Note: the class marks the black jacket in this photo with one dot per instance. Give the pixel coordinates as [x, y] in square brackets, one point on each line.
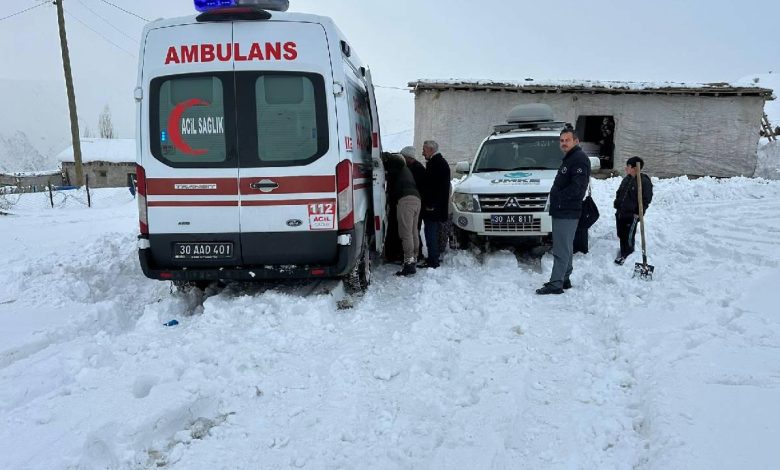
[400, 182]
[626, 201]
[418, 171]
[436, 190]
[570, 185]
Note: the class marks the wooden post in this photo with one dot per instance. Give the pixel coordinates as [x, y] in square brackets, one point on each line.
[51, 196]
[89, 198]
[74, 123]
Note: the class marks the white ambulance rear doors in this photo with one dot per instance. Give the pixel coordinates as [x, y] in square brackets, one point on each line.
[188, 151]
[287, 143]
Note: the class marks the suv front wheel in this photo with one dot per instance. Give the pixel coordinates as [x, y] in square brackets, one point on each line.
[461, 238]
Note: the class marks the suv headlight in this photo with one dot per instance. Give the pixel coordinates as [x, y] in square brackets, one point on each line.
[465, 202]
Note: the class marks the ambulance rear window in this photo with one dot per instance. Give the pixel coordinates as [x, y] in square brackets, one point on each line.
[291, 120]
[188, 121]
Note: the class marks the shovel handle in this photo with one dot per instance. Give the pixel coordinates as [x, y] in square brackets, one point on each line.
[641, 211]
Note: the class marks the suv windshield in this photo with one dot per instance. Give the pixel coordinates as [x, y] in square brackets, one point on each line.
[522, 153]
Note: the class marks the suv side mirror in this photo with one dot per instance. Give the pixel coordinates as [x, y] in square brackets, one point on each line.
[463, 168]
[595, 163]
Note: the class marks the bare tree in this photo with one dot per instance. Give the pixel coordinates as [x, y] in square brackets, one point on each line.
[105, 126]
[87, 133]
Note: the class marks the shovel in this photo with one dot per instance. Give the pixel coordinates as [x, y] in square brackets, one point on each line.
[643, 270]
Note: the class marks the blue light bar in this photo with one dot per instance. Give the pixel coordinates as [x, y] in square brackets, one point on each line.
[274, 5]
[206, 5]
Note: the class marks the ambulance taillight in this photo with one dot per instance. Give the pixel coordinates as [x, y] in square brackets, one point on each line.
[345, 197]
[143, 215]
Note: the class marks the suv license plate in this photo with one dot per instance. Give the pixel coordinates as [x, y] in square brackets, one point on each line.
[203, 250]
[511, 219]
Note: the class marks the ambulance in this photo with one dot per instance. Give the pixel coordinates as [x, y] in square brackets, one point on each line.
[258, 148]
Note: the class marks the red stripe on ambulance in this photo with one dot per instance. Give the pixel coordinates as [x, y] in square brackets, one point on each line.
[292, 184]
[288, 202]
[191, 187]
[193, 203]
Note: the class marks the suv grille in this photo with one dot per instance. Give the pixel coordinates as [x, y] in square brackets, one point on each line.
[513, 202]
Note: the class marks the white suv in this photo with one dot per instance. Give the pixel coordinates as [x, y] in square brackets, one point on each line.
[505, 193]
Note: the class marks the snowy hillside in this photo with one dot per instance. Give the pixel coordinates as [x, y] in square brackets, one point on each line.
[459, 368]
[38, 126]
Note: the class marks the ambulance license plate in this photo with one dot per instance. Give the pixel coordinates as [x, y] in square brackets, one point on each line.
[511, 219]
[210, 250]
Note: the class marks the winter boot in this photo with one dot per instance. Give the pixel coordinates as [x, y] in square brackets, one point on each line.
[549, 289]
[409, 269]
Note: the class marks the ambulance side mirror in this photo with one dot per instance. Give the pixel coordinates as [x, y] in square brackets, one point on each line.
[463, 168]
[595, 163]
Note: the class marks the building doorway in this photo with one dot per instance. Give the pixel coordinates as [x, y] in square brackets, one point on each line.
[597, 138]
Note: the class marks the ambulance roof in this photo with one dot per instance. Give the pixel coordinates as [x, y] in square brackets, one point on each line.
[275, 16]
[278, 16]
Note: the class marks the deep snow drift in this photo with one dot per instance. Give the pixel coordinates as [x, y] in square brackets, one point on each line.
[462, 367]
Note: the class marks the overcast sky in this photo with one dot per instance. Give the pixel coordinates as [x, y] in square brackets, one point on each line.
[663, 40]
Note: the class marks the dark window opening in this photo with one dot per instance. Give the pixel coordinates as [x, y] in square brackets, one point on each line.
[597, 138]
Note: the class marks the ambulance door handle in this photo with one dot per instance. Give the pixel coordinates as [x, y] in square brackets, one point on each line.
[265, 185]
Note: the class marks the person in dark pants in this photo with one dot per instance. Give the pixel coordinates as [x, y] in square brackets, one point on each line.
[403, 195]
[627, 206]
[566, 195]
[435, 199]
[418, 172]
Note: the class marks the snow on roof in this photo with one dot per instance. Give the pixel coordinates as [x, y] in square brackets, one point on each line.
[102, 150]
[30, 174]
[594, 86]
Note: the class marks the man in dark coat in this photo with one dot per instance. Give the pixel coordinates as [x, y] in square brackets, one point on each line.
[418, 172]
[566, 195]
[403, 195]
[435, 199]
[627, 206]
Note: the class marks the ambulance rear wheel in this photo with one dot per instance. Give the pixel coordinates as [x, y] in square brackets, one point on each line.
[358, 280]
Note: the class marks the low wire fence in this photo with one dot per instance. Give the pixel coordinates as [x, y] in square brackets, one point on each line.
[25, 199]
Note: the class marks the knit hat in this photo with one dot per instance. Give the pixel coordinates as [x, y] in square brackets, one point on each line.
[633, 161]
[408, 151]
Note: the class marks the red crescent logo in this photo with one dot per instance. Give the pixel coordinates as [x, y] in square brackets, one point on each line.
[174, 129]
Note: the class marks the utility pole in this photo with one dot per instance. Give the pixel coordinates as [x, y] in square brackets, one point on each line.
[74, 123]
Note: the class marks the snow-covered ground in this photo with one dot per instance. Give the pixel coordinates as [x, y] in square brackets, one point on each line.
[459, 368]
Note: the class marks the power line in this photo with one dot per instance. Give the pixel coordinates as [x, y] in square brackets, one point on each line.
[24, 11]
[108, 22]
[122, 9]
[101, 35]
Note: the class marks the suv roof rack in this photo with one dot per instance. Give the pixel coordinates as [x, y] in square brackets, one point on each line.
[529, 126]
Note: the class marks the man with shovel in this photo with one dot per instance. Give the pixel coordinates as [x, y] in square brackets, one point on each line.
[627, 206]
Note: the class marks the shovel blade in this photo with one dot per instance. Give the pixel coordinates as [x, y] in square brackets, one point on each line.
[644, 271]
